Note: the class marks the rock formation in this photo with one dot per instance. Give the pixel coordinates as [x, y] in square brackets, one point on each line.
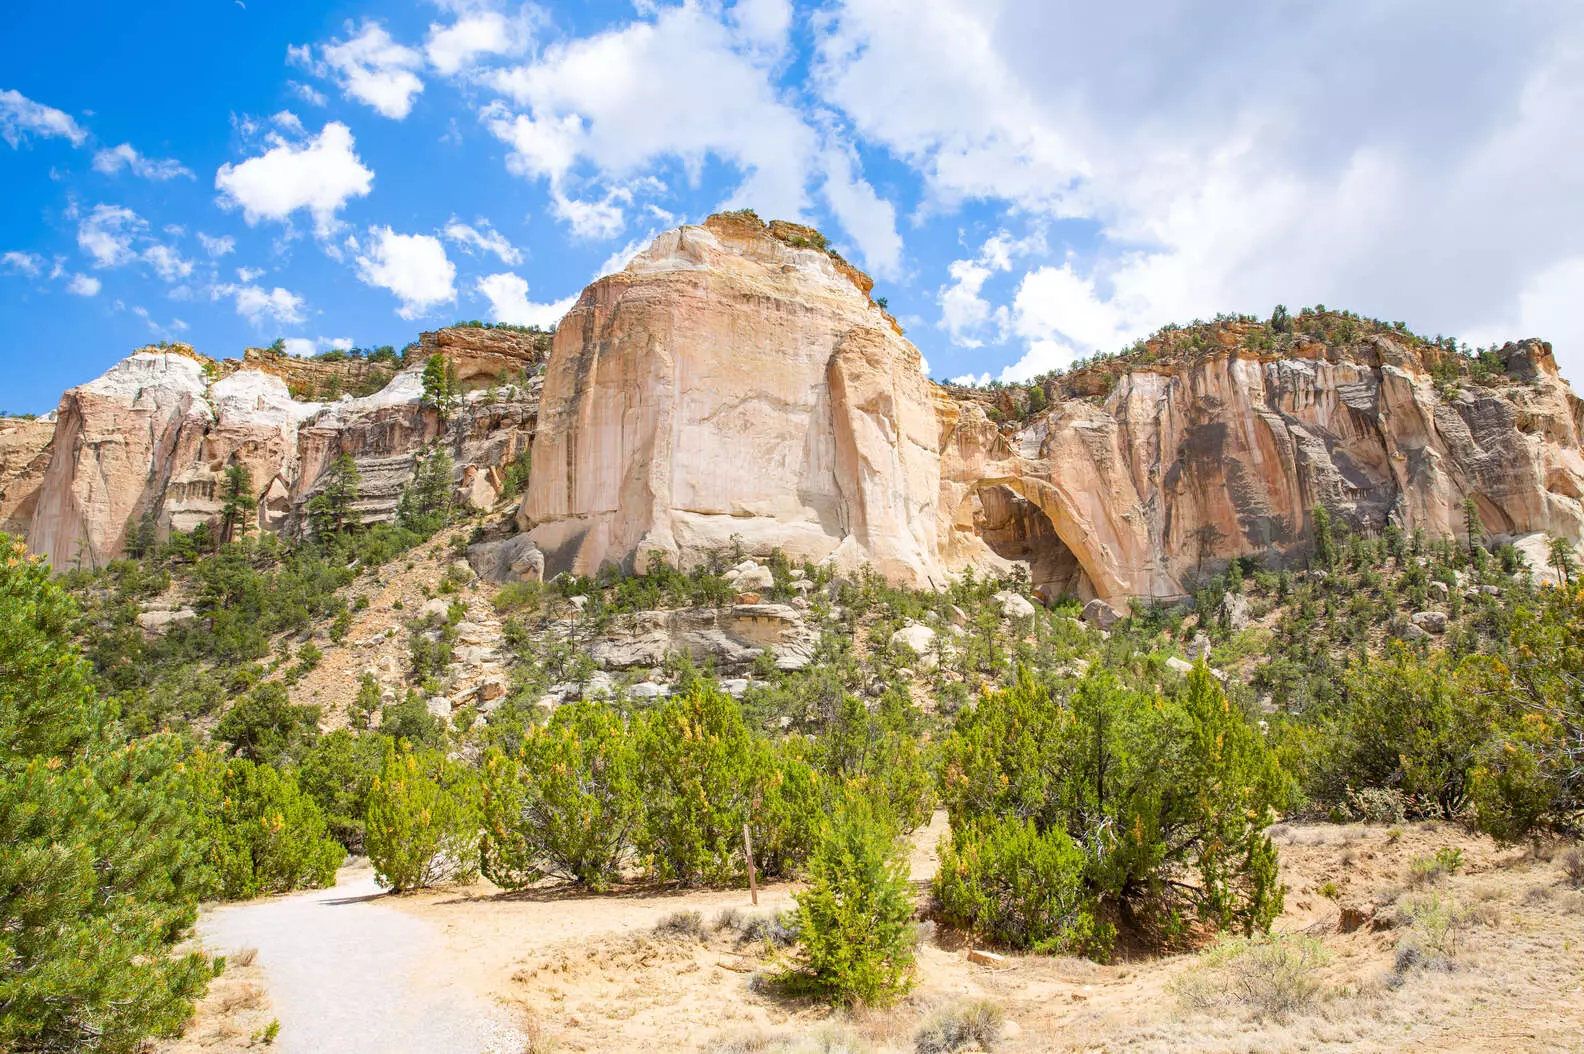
[735, 386]
[731, 387]
[154, 435]
[1223, 451]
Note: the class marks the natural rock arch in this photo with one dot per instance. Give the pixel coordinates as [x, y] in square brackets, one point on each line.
[1072, 528]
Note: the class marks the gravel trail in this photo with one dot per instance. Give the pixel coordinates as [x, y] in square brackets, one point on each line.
[350, 974]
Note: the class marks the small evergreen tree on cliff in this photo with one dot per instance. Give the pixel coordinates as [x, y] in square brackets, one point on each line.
[1324, 544]
[440, 387]
[236, 501]
[330, 511]
[1559, 555]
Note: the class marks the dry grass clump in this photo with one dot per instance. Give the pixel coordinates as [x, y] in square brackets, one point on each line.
[243, 997]
[963, 1026]
[244, 958]
[1436, 930]
[1267, 977]
[681, 925]
[1573, 867]
[830, 1038]
[774, 928]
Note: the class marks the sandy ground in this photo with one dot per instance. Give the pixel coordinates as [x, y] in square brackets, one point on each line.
[436, 971]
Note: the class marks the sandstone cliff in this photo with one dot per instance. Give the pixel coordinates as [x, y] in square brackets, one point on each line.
[24, 456]
[735, 385]
[1223, 452]
[154, 435]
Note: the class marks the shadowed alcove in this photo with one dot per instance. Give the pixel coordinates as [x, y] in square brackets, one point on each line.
[1018, 529]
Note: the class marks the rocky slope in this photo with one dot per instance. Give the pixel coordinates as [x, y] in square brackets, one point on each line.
[736, 386]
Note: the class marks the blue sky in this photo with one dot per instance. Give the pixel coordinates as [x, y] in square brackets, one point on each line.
[1029, 181]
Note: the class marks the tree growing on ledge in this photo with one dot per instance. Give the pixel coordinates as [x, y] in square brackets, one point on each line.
[440, 387]
[330, 511]
[236, 501]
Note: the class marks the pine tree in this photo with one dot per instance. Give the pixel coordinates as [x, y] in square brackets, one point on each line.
[142, 537]
[1472, 525]
[1559, 556]
[1324, 546]
[440, 385]
[427, 502]
[856, 916]
[236, 501]
[331, 510]
[100, 871]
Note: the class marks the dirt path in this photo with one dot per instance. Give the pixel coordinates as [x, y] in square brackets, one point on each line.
[348, 973]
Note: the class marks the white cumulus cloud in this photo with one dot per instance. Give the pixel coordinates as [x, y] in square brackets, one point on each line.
[257, 304]
[106, 234]
[452, 49]
[597, 220]
[114, 159]
[1414, 169]
[508, 297]
[869, 218]
[484, 238]
[83, 285]
[167, 262]
[30, 264]
[370, 67]
[684, 85]
[21, 116]
[412, 266]
[319, 175]
[217, 247]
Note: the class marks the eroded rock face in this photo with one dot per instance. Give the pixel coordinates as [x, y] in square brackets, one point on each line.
[24, 458]
[154, 436]
[730, 386]
[1184, 465]
[735, 385]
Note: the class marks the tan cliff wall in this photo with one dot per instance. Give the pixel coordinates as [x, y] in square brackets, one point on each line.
[1181, 465]
[731, 388]
[155, 434]
[736, 385]
[24, 458]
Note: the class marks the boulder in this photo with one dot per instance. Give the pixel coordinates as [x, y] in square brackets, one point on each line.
[1199, 647]
[1100, 613]
[1234, 612]
[158, 621]
[1014, 605]
[751, 578]
[1430, 621]
[918, 639]
[514, 559]
[436, 606]
[1439, 592]
[1182, 666]
[1412, 632]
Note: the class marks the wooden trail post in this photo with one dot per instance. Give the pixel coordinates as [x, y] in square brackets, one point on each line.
[753, 885]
